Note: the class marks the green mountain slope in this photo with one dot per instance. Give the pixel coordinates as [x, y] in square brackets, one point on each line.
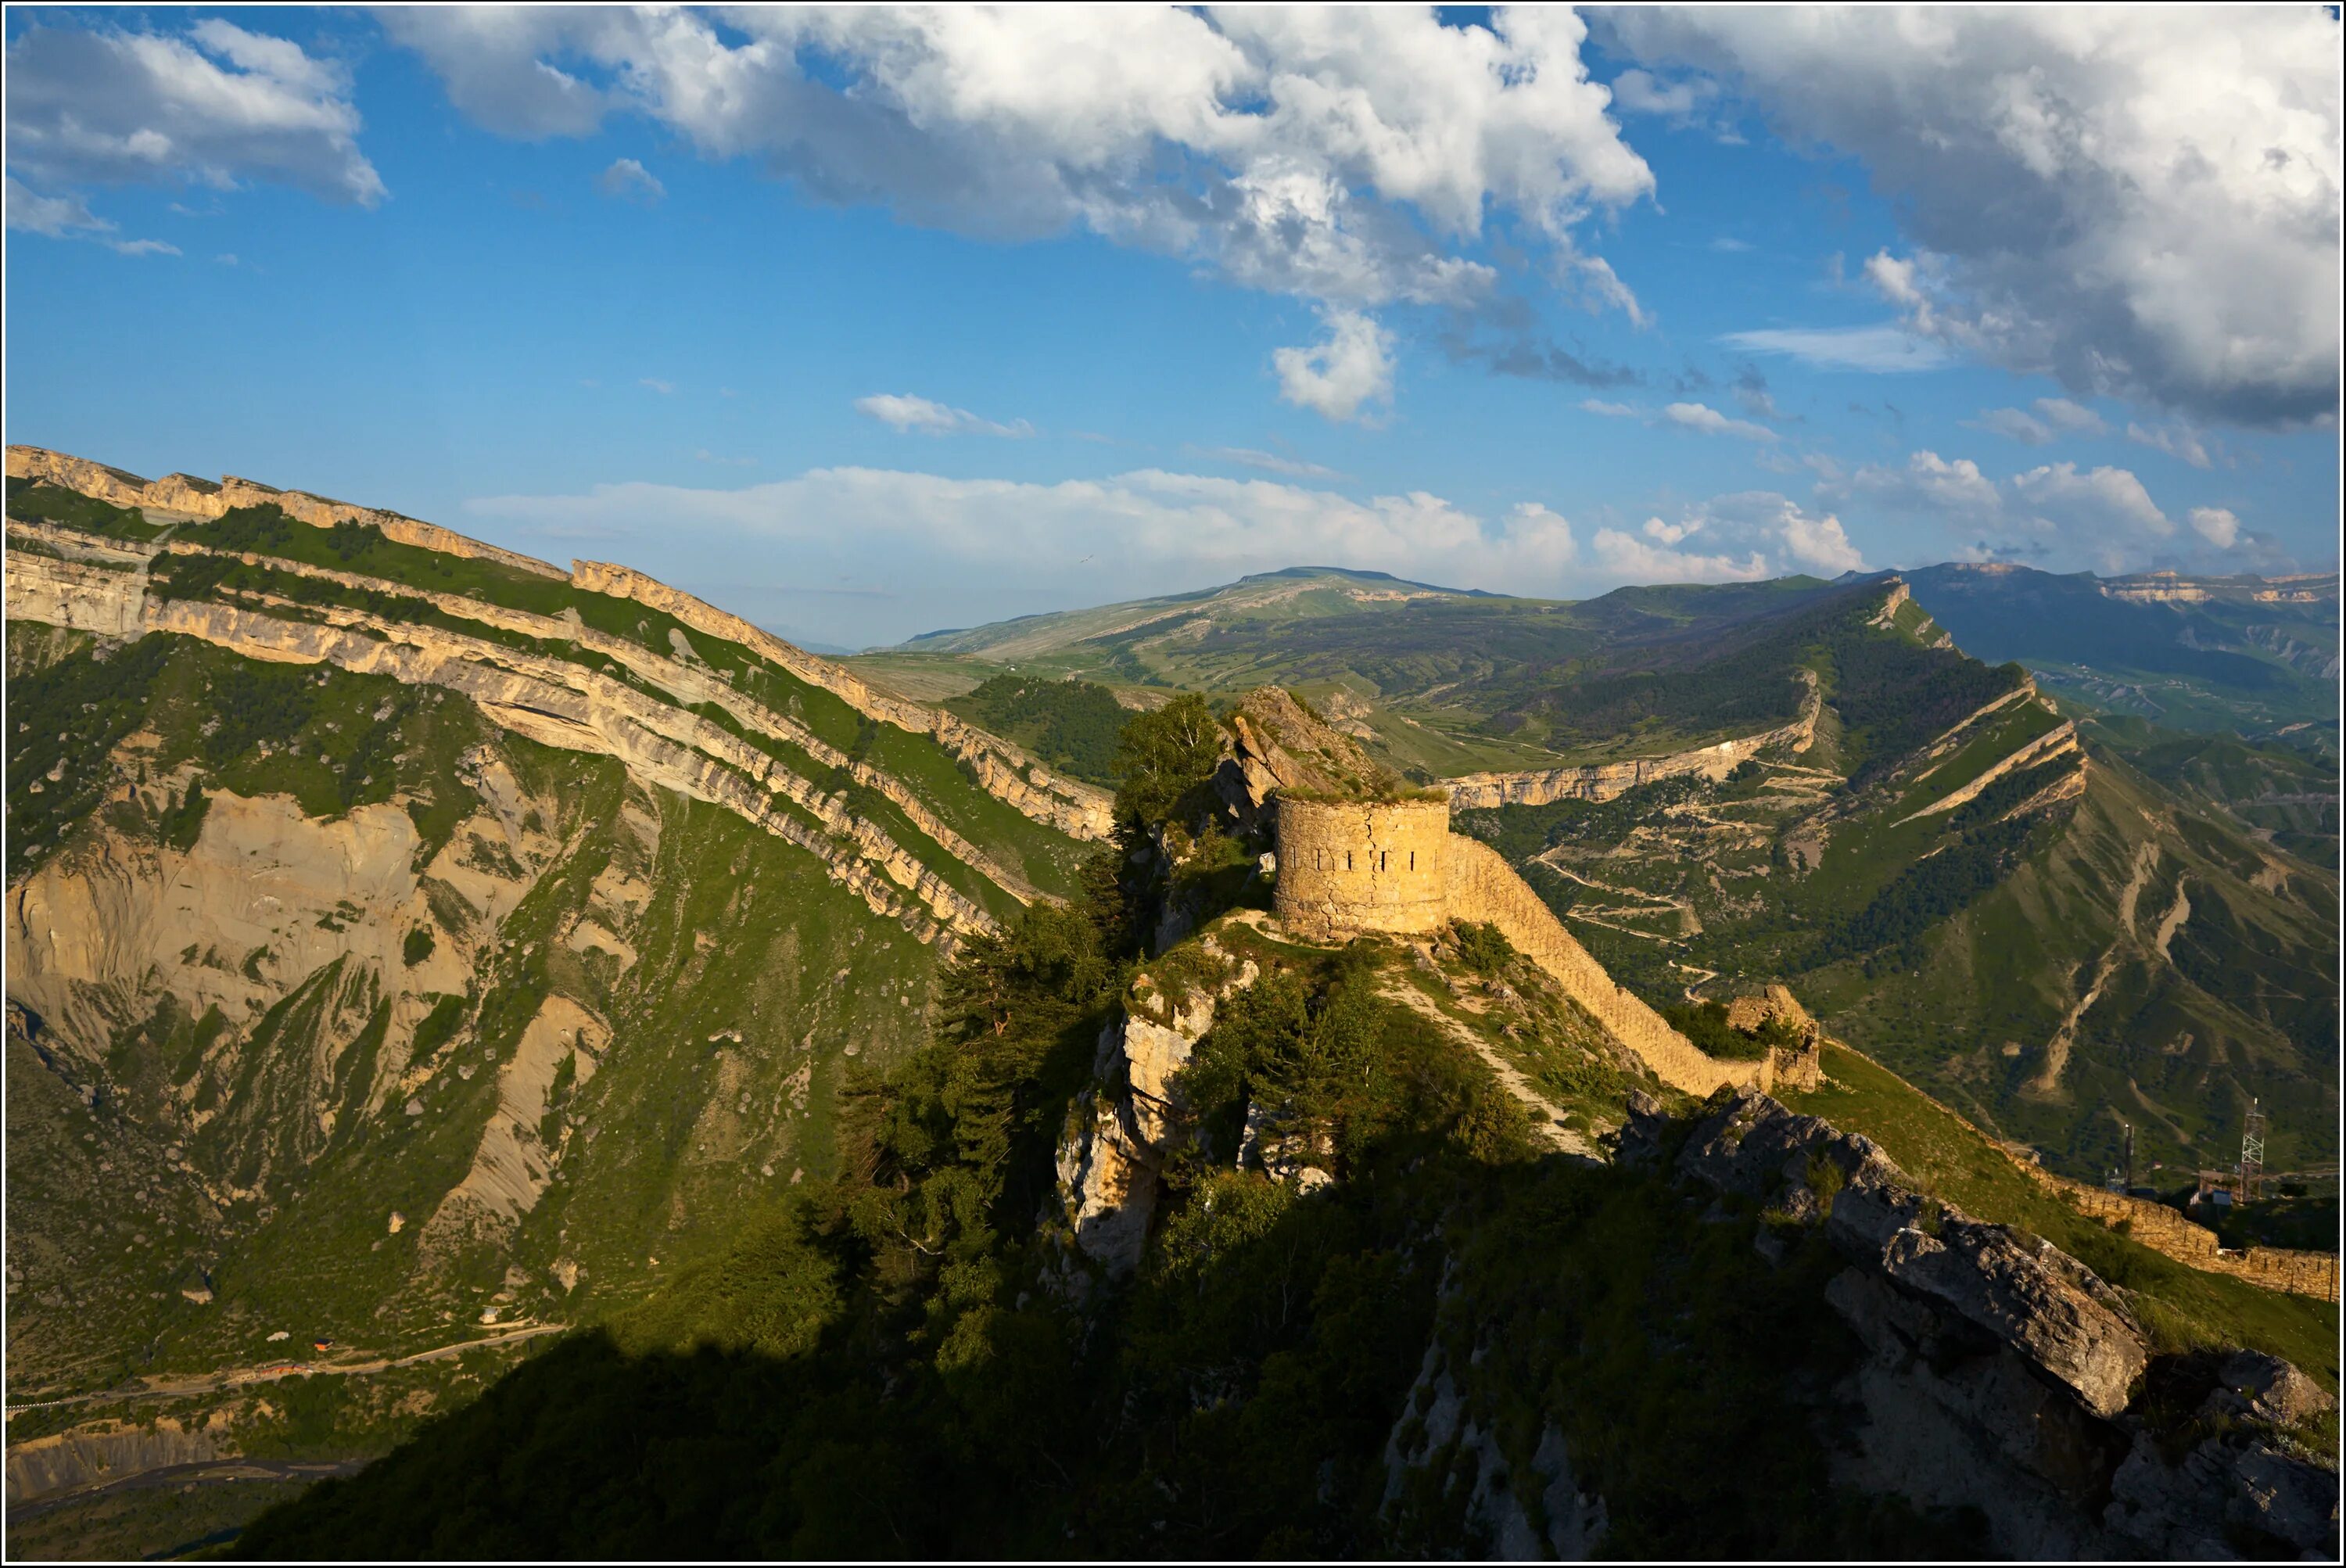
[1989, 896]
[407, 942]
[1394, 1325]
[1436, 681]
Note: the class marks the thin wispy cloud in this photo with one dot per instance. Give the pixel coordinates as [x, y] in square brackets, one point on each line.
[1885, 348]
[1268, 462]
[1702, 417]
[924, 416]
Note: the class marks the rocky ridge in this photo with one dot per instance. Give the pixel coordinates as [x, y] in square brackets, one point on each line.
[2004, 1375]
[1605, 780]
[1123, 1128]
[1000, 768]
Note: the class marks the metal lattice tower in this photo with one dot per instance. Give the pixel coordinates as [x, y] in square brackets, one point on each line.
[2252, 1151]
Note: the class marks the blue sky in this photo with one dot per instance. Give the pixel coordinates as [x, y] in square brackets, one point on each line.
[863, 325]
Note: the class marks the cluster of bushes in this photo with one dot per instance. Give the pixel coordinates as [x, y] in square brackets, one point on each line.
[1704, 1024]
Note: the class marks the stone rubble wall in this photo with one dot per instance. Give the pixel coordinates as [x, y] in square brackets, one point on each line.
[1484, 887]
[2163, 1230]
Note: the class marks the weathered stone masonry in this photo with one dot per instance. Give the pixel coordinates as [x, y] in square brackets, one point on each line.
[1347, 866]
[2162, 1230]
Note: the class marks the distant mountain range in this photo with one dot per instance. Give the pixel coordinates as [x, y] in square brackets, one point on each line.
[2252, 654]
[2159, 948]
[2256, 656]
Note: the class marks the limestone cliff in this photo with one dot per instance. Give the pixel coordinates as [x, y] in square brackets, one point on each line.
[1074, 808]
[1277, 744]
[557, 702]
[1604, 780]
[183, 495]
[1069, 805]
[1122, 1128]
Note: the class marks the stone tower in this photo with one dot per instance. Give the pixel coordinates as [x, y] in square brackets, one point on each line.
[1352, 866]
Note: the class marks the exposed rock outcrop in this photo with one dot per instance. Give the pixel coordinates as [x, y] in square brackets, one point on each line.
[187, 496]
[1604, 780]
[2002, 1374]
[1435, 1437]
[998, 766]
[1121, 1130]
[1077, 809]
[1277, 744]
[556, 702]
[99, 1451]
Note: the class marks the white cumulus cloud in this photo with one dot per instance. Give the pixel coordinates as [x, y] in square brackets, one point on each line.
[1338, 154]
[215, 106]
[1352, 366]
[2145, 202]
[2064, 515]
[2216, 525]
[951, 549]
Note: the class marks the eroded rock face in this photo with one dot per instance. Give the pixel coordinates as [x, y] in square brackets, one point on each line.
[2004, 1375]
[2243, 1485]
[1122, 1129]
[1435, 1441]
[1278, 745]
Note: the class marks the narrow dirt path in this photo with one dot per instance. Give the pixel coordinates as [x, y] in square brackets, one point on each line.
[272, 1371]
[1547, 1121]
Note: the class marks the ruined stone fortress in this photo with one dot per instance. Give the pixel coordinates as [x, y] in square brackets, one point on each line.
[1352, 866]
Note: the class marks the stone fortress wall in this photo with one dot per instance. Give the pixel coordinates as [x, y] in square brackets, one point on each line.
[2163, 1230]
[1349, 866]
[1353, 866]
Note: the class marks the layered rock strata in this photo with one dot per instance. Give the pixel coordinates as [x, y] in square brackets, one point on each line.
[551, 701]
[1001, 768]
[1604, 780]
